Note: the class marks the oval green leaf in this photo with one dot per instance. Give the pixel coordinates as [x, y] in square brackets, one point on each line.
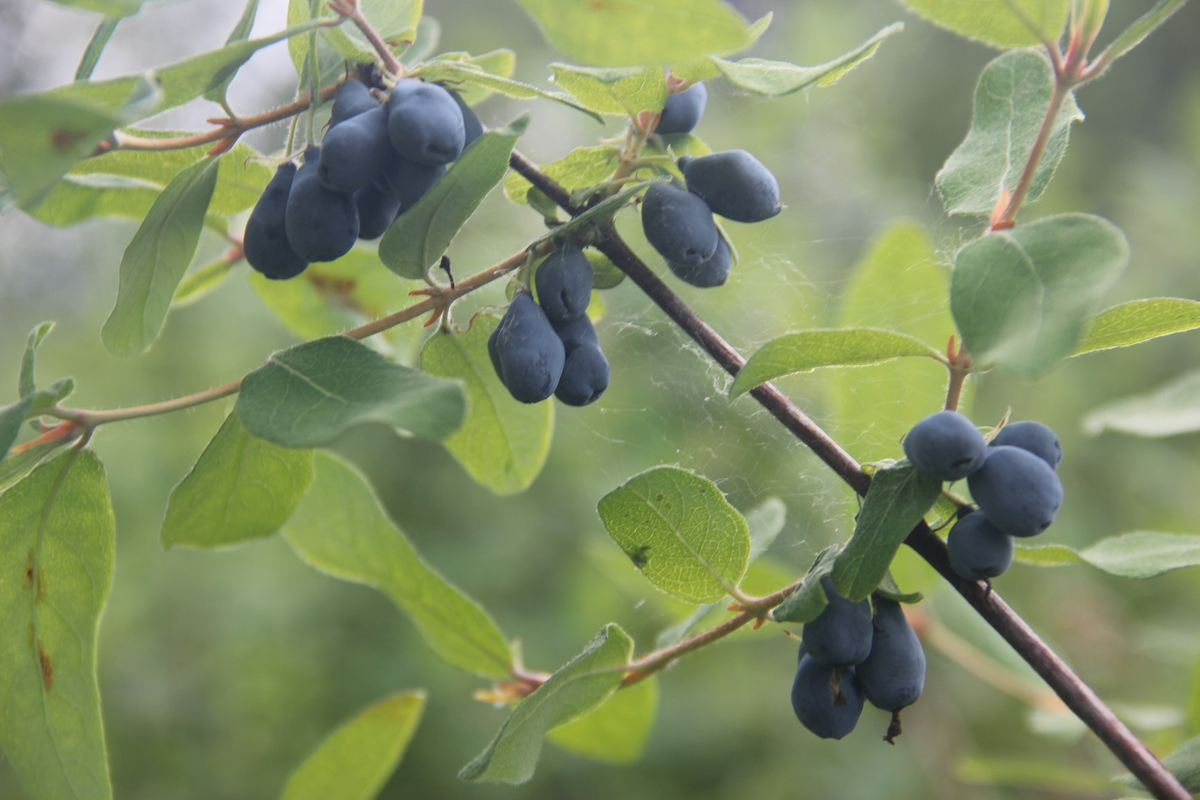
[572, 691]
[307, 395]
[617, 731]
[241, 488]
[502, 444]
[355, 761]
[1139, 321]
[680, 531]
[615, 90]
[827, 347]
[1022, 297]
[582, 167]
[995, 22]
[1010, 104]
[57, 556]
[1172, 409]
[1141, 554]
[340, 529]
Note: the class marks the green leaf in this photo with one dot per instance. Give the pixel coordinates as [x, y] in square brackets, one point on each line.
[809, 600]
[1170, 410]
[121, 8]
[201, 282]
[91, 54]
[617, 731]
[340, 529]
[1022, 297]
[1139, 30]
[605, 274]
[420, 236]
[240, 32]
[394, 20]
[26, 384]
[331, 64]
[680, 531]
[429, 34]
[57, 554]
[829, 347]
[241, 488]
[12, 416]
[502, 443]
[1184, 764]
[765, 522]
[1010, 104]
[355, 761]
[1048, 776]
[156, 259]
[478, 81]
[334, 296]
[1141, 554]
[495, 63]
[626, 34]
[41, 137]
[307, 395]
[995, 22]
[887, 588]
[582, 167]
[899, 285]
[624, 90]
[575, 689]
[1139, 321]
[1192, 708]
[778, 78]
[895, 504]
[598, 214]
[125, 183]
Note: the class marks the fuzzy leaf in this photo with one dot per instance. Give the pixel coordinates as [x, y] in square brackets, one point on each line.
[994, 22]
[617, 731]
[1139, 321]
[1170, 410]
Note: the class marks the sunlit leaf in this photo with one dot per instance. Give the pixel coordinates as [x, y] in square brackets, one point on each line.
[1142, 554]
[995, 22]
[615, 90]
[1139, 321]
[582, 167]
[617, 731]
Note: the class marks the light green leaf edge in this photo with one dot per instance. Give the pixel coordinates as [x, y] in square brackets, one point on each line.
[1139, 554]
[1139, 321]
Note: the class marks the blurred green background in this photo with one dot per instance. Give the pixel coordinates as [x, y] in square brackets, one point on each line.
[220, 671]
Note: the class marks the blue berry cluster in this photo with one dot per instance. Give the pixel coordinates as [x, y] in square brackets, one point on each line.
[1012, 479]
[549, 346]
[375, 162]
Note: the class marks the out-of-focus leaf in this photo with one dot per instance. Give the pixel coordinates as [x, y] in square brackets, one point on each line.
[828, 347]
[626, 34]
[1049, 776]
[1141, 554]
[355, 761]
[617, 731]
[995, 22]
[199, 283]
[26, 383]
[118, 8]
[240, 32]
[765, 522]
[499, 64]
[307, 395]
[1184, 764]
[1010, 104]
[1139, 30]
[420, 236]
[340, 529]
[680, 531]
[809, 600]
[91, 54]
[615, 90]
[11, 418]
[156, 259]
[1139, 321]
[896, 502]
[575, 689]
[502, 443]
[1172, 409]
[241, 488]
[58, 549]
[477, 81]
[1022, 297]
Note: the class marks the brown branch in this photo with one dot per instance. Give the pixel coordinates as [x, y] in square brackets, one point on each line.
[1077, 695]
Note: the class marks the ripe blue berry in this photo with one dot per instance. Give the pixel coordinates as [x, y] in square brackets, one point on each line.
[734, 183]
[585, 373]
[683, 110]
[472, 127]
[1017, 490]
[679, 225]
[816, 706]
[356, 152]
[321, 224]
[946, 446]
[1033, 436]
[377, 208]
[526, 352]
[352, 98]
[409, 180]
[978, 549]
[564, 284]
[265, 242]
[841, 635]
[713, 272]
[425, 122]
[893, 675]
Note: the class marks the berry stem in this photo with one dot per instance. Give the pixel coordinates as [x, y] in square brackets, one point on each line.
[1076, 694]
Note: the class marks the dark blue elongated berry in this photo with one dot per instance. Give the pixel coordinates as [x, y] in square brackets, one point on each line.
[1033, 436]
[683, 110]
[564, 284]
[321, 224]
[377, 207]
[425, 123]
[841, 635]
[734, 183]
[527, 353]
[946, 446]
[409, 181]
[352, 98]
[978, 549]
[1019, 492]
[585, 372]
[893, 675]
[827, 715]
[356, 152]
[679, 225]
[265, 241]
[472, 127]
[713, 272]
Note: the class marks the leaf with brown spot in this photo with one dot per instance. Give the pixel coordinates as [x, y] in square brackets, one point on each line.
[58, 536]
